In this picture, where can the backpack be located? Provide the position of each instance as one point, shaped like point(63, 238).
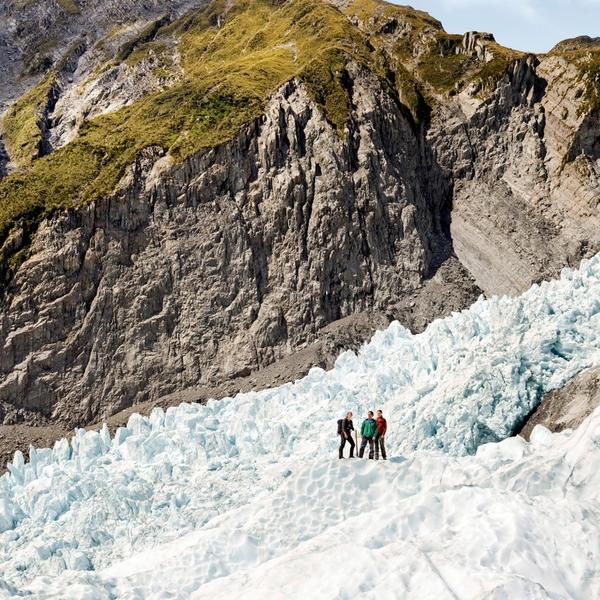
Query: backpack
point(369, 428)
point(340, 426)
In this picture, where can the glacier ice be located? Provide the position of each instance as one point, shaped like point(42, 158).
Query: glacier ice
point(515, 520)
point(191, 476)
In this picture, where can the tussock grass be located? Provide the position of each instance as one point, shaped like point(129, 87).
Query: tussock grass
point(229, 73)
point(21, 124)
point(232, 60)
point(586, 57)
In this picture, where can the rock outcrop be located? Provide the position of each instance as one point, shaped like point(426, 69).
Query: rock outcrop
point(226, 263)
point(526, 188)
point(474, 43)
point(567, 407)
point(36, 36)
point(400, 182)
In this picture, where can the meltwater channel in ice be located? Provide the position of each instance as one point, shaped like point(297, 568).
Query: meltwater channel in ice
point(468, 379)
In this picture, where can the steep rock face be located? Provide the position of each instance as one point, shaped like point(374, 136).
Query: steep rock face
point(204, 272)
point(37, 35)
point(526, 175)
point(227, 262)
point(569, 406)
point(346, 334)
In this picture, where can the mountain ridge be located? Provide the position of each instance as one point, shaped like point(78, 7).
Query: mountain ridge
point(225, 183)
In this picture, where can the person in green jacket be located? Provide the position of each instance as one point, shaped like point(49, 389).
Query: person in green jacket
point(368, 431)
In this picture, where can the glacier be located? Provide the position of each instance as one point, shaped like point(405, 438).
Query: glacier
point(233, 498)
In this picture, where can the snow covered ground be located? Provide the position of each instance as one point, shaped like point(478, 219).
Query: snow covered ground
point(243, 498)
point(515, 521)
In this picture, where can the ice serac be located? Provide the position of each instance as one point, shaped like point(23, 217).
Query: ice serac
point(219, 500)
point(211, 269)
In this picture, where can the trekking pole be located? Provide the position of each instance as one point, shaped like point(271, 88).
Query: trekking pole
point(356, 438)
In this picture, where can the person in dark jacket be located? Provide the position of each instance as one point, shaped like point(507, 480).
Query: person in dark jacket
point(346, 435)
point(368, 431)
point(380, 436)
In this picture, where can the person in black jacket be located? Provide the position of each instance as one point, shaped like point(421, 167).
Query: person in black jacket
point(346, 435)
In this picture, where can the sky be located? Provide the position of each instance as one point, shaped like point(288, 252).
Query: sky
point(528, 25)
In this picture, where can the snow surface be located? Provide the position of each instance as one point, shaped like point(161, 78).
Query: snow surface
point(243, 498)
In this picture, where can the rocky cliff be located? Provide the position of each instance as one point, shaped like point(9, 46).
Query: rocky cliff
point(226, 262)
point(527, 203)
point(567, 407)
point(192, 196)
point(37, 37)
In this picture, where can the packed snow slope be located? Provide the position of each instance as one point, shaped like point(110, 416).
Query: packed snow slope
point(244, 498)
point(517, 521)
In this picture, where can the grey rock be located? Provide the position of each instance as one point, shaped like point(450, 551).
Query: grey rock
point(4, 159)
point(526, 176)
point(567, 407)
point(474, 44)
point(36, 36)
point(229, 270)
point(345, 334)
point(215, 268)
point(85, 95)
point(41, 37)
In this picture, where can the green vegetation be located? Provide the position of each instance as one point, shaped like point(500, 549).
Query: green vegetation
point(147, 34)
point(229, 73)
point(492, 72)
point(589, 68)
point(230, 68)
point(18, 250)
point(443, 73)
point(38, 59)
point(410, 95)
point(373, 14)
point(70, 6)
point(260, 47)
point(426, 62)
point(328, 82)
point(586, 57)
point(592, 90)
point(145, 51)
point(22, 123)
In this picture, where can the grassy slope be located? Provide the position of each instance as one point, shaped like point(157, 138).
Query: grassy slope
point(228, 75)
point(21, 125)
point(436, 70)
point(587, 60)
point(591, 71)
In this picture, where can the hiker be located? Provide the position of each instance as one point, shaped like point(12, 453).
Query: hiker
point(380, 436)
point(345, 429)
point(368, 431)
